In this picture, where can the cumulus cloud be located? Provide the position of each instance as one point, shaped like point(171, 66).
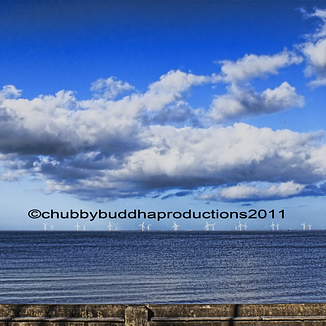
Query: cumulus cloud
point(178, 114)
point(318, 82)
point(215, 156)
point(155, 143)
point(316, 55)
point(110, 88)
point(170, 88)
point(60, 125)
point(9, 91)
point(188, 159)
point(321, 30)
point(245, 192)
point(314, 50)
point(239, 102)
point(253, 66)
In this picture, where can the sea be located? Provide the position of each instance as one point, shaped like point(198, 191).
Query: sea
point(150, 267)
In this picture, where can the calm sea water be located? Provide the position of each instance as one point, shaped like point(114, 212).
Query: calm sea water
point(163, 267)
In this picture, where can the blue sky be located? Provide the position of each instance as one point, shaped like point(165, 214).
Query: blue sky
point(163, 106)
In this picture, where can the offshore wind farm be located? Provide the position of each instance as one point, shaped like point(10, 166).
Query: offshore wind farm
point(207, 227)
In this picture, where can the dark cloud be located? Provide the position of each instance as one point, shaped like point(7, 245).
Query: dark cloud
point(178, 115)
point(177, 194)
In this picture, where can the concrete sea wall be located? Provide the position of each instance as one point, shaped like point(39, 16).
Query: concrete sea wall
point(162, 315)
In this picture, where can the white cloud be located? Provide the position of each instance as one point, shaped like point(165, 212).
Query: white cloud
point(170, 88)
point(314, 49)
point(244, 192)
point(185, 158)
point(316, 54)
point(190, 158)
point(110, 88)
point(9, 91)
point(103, 149)
point(213, 152)
point(253, 66)
point(318, 82)
point(239, 102)
point(321, 31)
point(60, 125)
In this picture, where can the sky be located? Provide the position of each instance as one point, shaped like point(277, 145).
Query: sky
point(162, 106)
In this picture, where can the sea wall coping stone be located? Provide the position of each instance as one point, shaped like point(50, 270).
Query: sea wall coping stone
point(162, 314)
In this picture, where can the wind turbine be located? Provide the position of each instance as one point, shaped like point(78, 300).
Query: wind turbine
point(148, 225)
point(52, 227)
point(304, 225)
point(45, 224)
point(212, 225)
point(84, 227)
point(309, 226)
point(240, 225)
point(110, 226)
point(245, 226)
point(272, 226)
point(77, 226)
point(277, 225)
point(207, 226)
point(116, 227)
point(175, 226)
point(142, 226)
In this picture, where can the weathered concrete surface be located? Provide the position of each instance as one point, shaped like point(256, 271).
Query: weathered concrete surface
point(61, 310)
point(193, 310)
point(238, 314)
point(163, 315)
point(136, 316)
point(237, 310)
point(311, 309)
point(43, 314)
